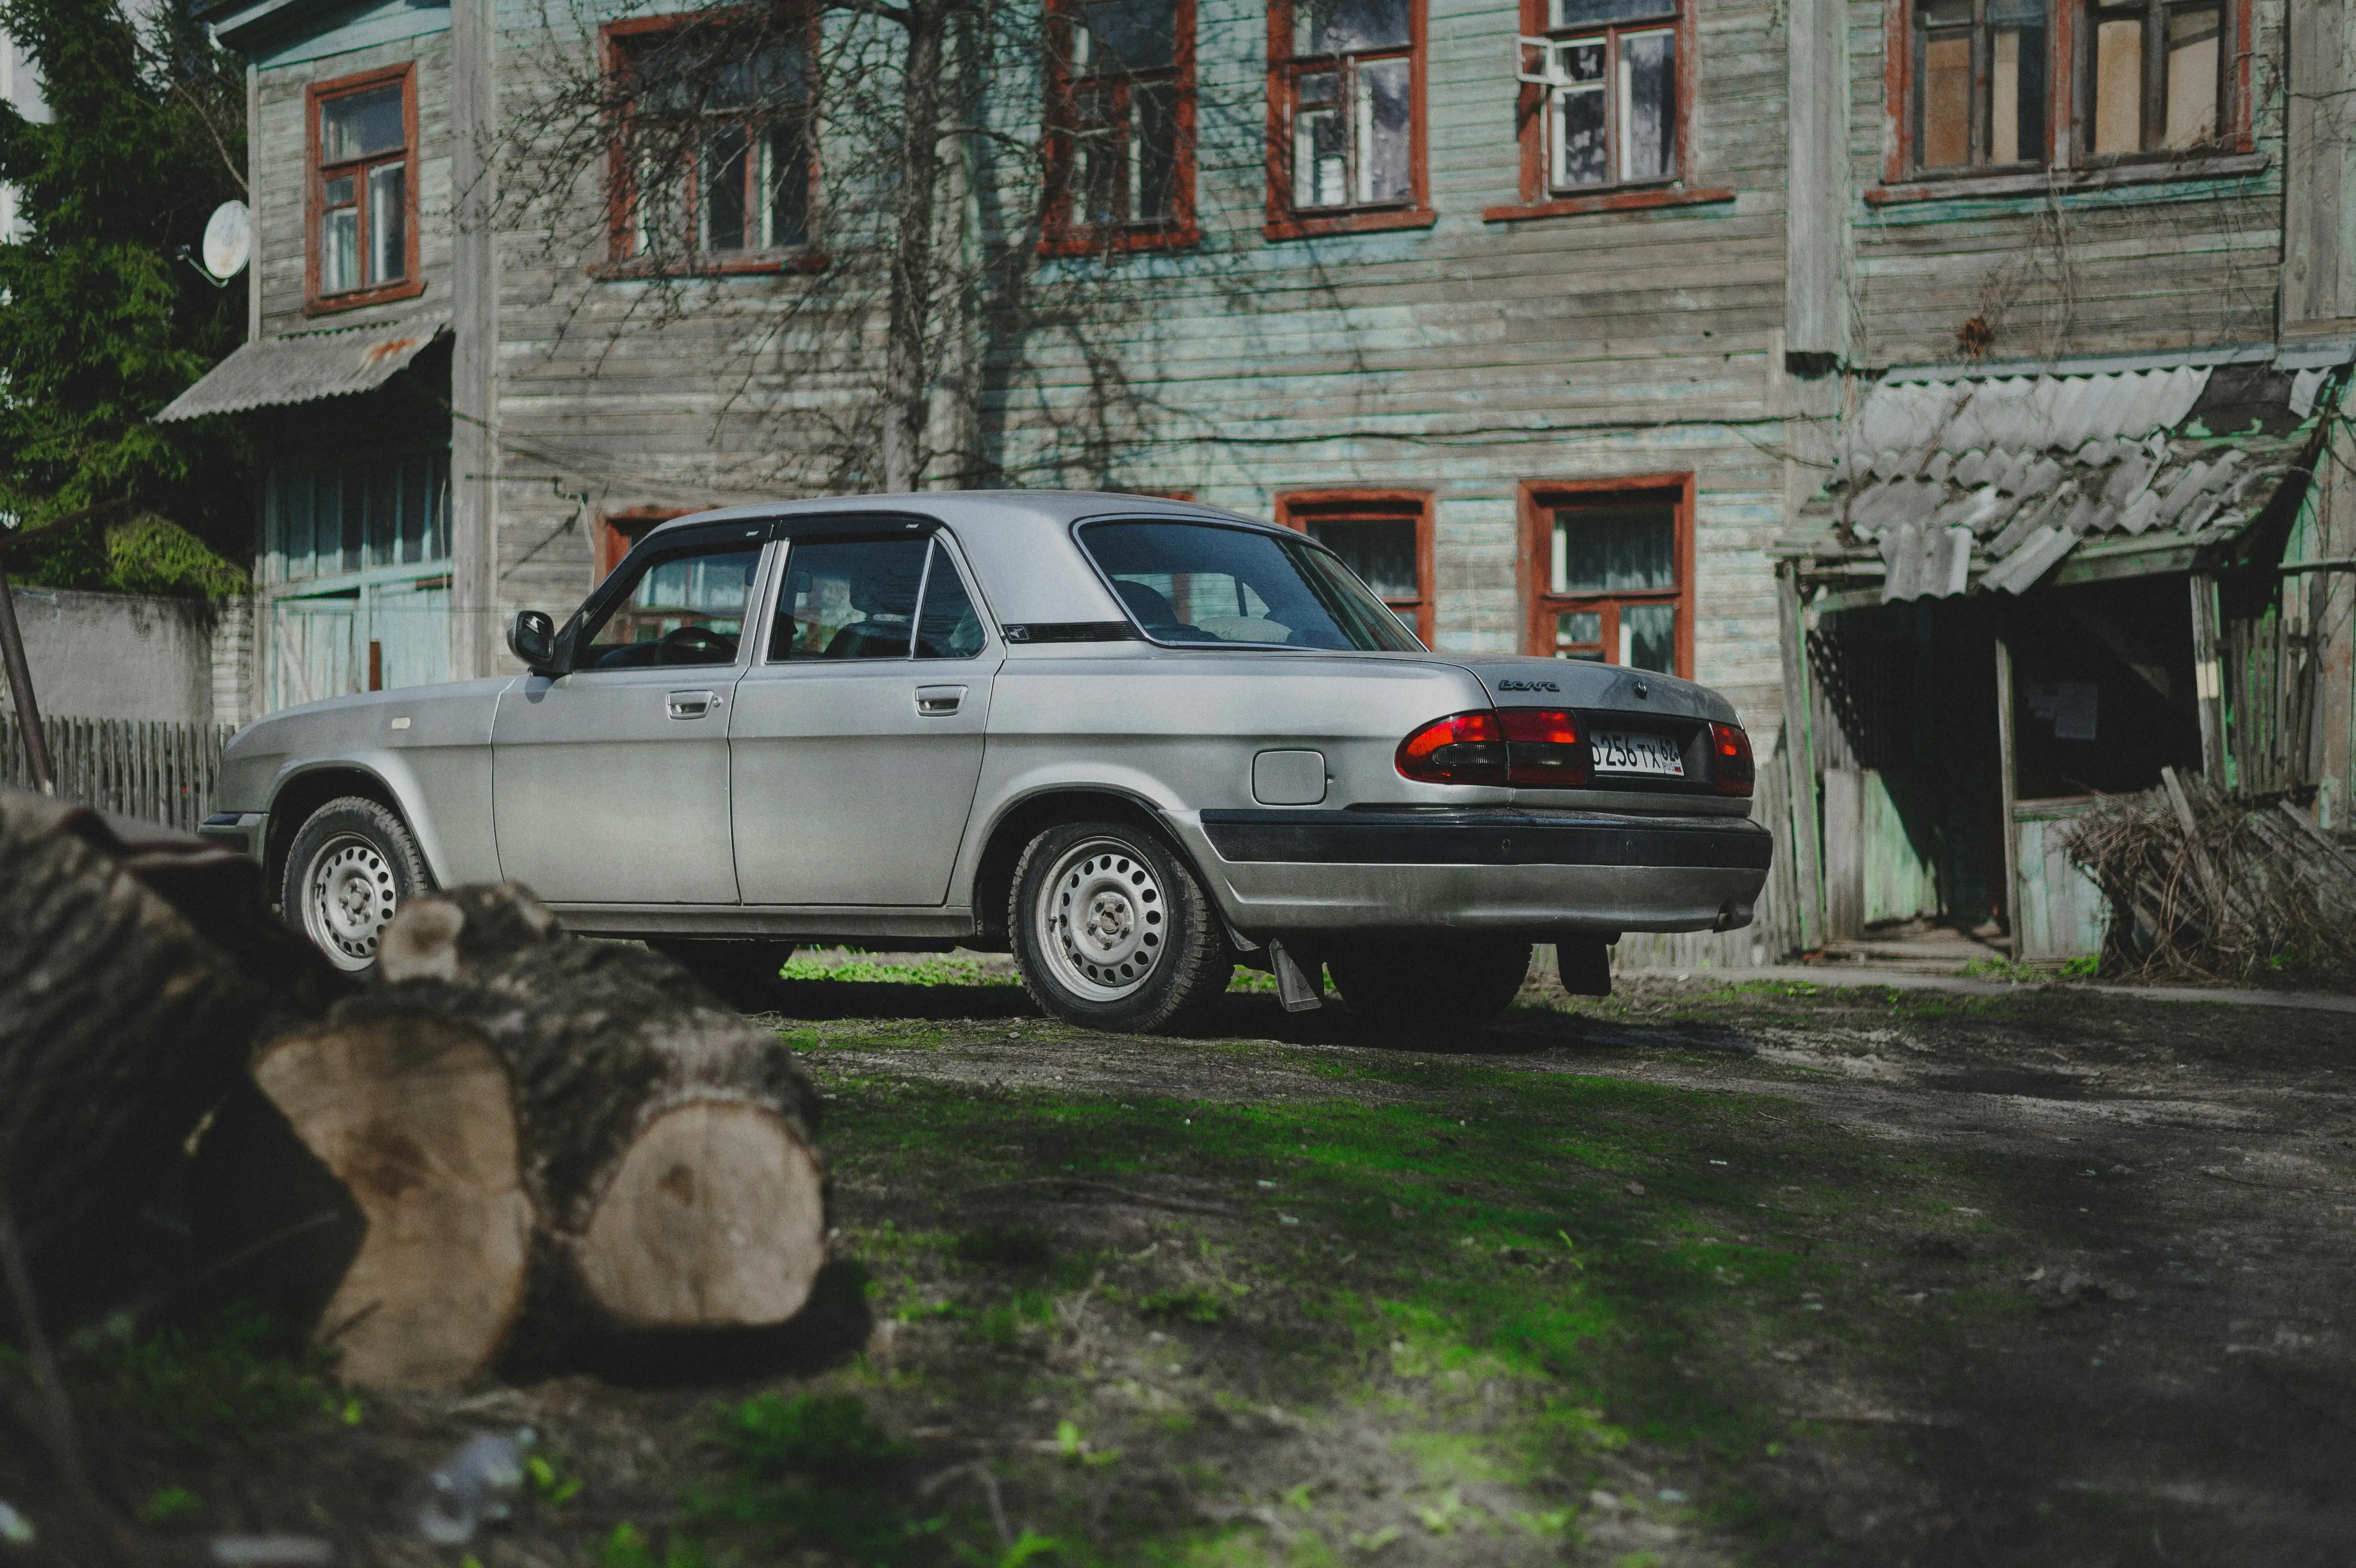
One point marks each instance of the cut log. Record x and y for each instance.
(124, 1021)
(569, 1136)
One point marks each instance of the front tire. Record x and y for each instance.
(352, 863)
(1440, 983)
(1112, 931)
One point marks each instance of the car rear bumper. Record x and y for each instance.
(1501, 869)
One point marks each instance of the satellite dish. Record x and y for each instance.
(229, 239)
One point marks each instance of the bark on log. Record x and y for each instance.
(548, 1135)
(123, 1020)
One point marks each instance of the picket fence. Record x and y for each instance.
(153, 769)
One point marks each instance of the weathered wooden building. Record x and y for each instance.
(1574, 323)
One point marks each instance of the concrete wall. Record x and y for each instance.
(116, 656)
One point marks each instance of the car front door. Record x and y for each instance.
(857, 737)
(609, 785)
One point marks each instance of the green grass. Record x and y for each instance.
(947, 970)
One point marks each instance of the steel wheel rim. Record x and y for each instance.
(349, 893)
(1102, 921)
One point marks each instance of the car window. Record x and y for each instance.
(1200, 582)
(950, 628)
(686, 609)
(848, 599)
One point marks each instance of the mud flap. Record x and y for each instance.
(1294, 989)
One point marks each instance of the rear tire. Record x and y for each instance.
(1440, 984)
(352, 863)
(1112, 931)
(742, 973)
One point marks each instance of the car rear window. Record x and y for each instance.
(1202, 582)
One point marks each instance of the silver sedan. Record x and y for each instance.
(1134, 742)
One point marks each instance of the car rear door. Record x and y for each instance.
(609, 785)
(856, 738)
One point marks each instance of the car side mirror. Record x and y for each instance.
(531, 637)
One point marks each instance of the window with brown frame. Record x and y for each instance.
(619, 532)
(1345, 116)
(1610, 570)
(1996, 85)
(1120, 101)
(1611, 109)
(1383, 536)
(363, 227)
(713, 162)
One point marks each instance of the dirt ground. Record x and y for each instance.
(1698, 1274)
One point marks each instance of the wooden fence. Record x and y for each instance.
(148, 768)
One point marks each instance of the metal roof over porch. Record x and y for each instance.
(304, 366)
(1961, 482)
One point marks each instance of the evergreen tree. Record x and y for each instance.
(102, 320)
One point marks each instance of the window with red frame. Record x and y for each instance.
(713, 160)
(1613, 106)
(1346, 107)
(1381, 535)
(1612, 569)
(1986, 83)
(619, 532)
(363, 135)
(1121, 107)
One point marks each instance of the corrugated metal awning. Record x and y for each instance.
(1990, 482)
(304, 366)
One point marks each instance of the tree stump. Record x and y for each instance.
(548, 1136)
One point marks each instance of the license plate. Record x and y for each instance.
(1624, 753)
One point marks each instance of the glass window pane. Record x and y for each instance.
(1380, 551)
(723, 176)
(1153, 131)
(360, 124)
(354, 486)
(388, 223)
(685, 610)
(949, 628)
(1321, 164)
(1946, 129)
(1579, 635)
(1578, 153)
(1564, 14)
(1385, 138)
(1648, 105)
(340, 249)
(1130, 35)
(2118, 85)
(1614, 549)
(2192, 41)
(376, 483)
(786, 188)
(2016, 97)
(851, 599)
(1338, 26)
(1648, 638)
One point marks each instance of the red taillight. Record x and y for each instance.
(1732, 771)
(1543, 749)
(1463, 749)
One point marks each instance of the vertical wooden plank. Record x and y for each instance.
(1799, 767)
(2208, 678)
(474, 367)
(1817, 204)
(1844, 854)
(2007, 786)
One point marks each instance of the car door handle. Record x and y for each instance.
(691, 704)
(939, 701)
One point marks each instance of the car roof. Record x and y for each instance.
(1018, 540)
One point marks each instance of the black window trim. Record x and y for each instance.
(872, 526)
(658, 545)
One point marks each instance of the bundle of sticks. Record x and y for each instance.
(2203, 886)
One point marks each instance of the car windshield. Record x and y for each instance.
(1202, 582)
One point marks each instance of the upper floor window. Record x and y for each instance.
(363, 228)
(1610, 569)
(1612, 108)
(714, 163)
(1992, 84)
(1121, 123)
(2158, 76)
(1345, 108)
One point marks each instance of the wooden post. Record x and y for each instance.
(2208, 679)
(2006, 790)
(1799, 762)
(20, 692)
